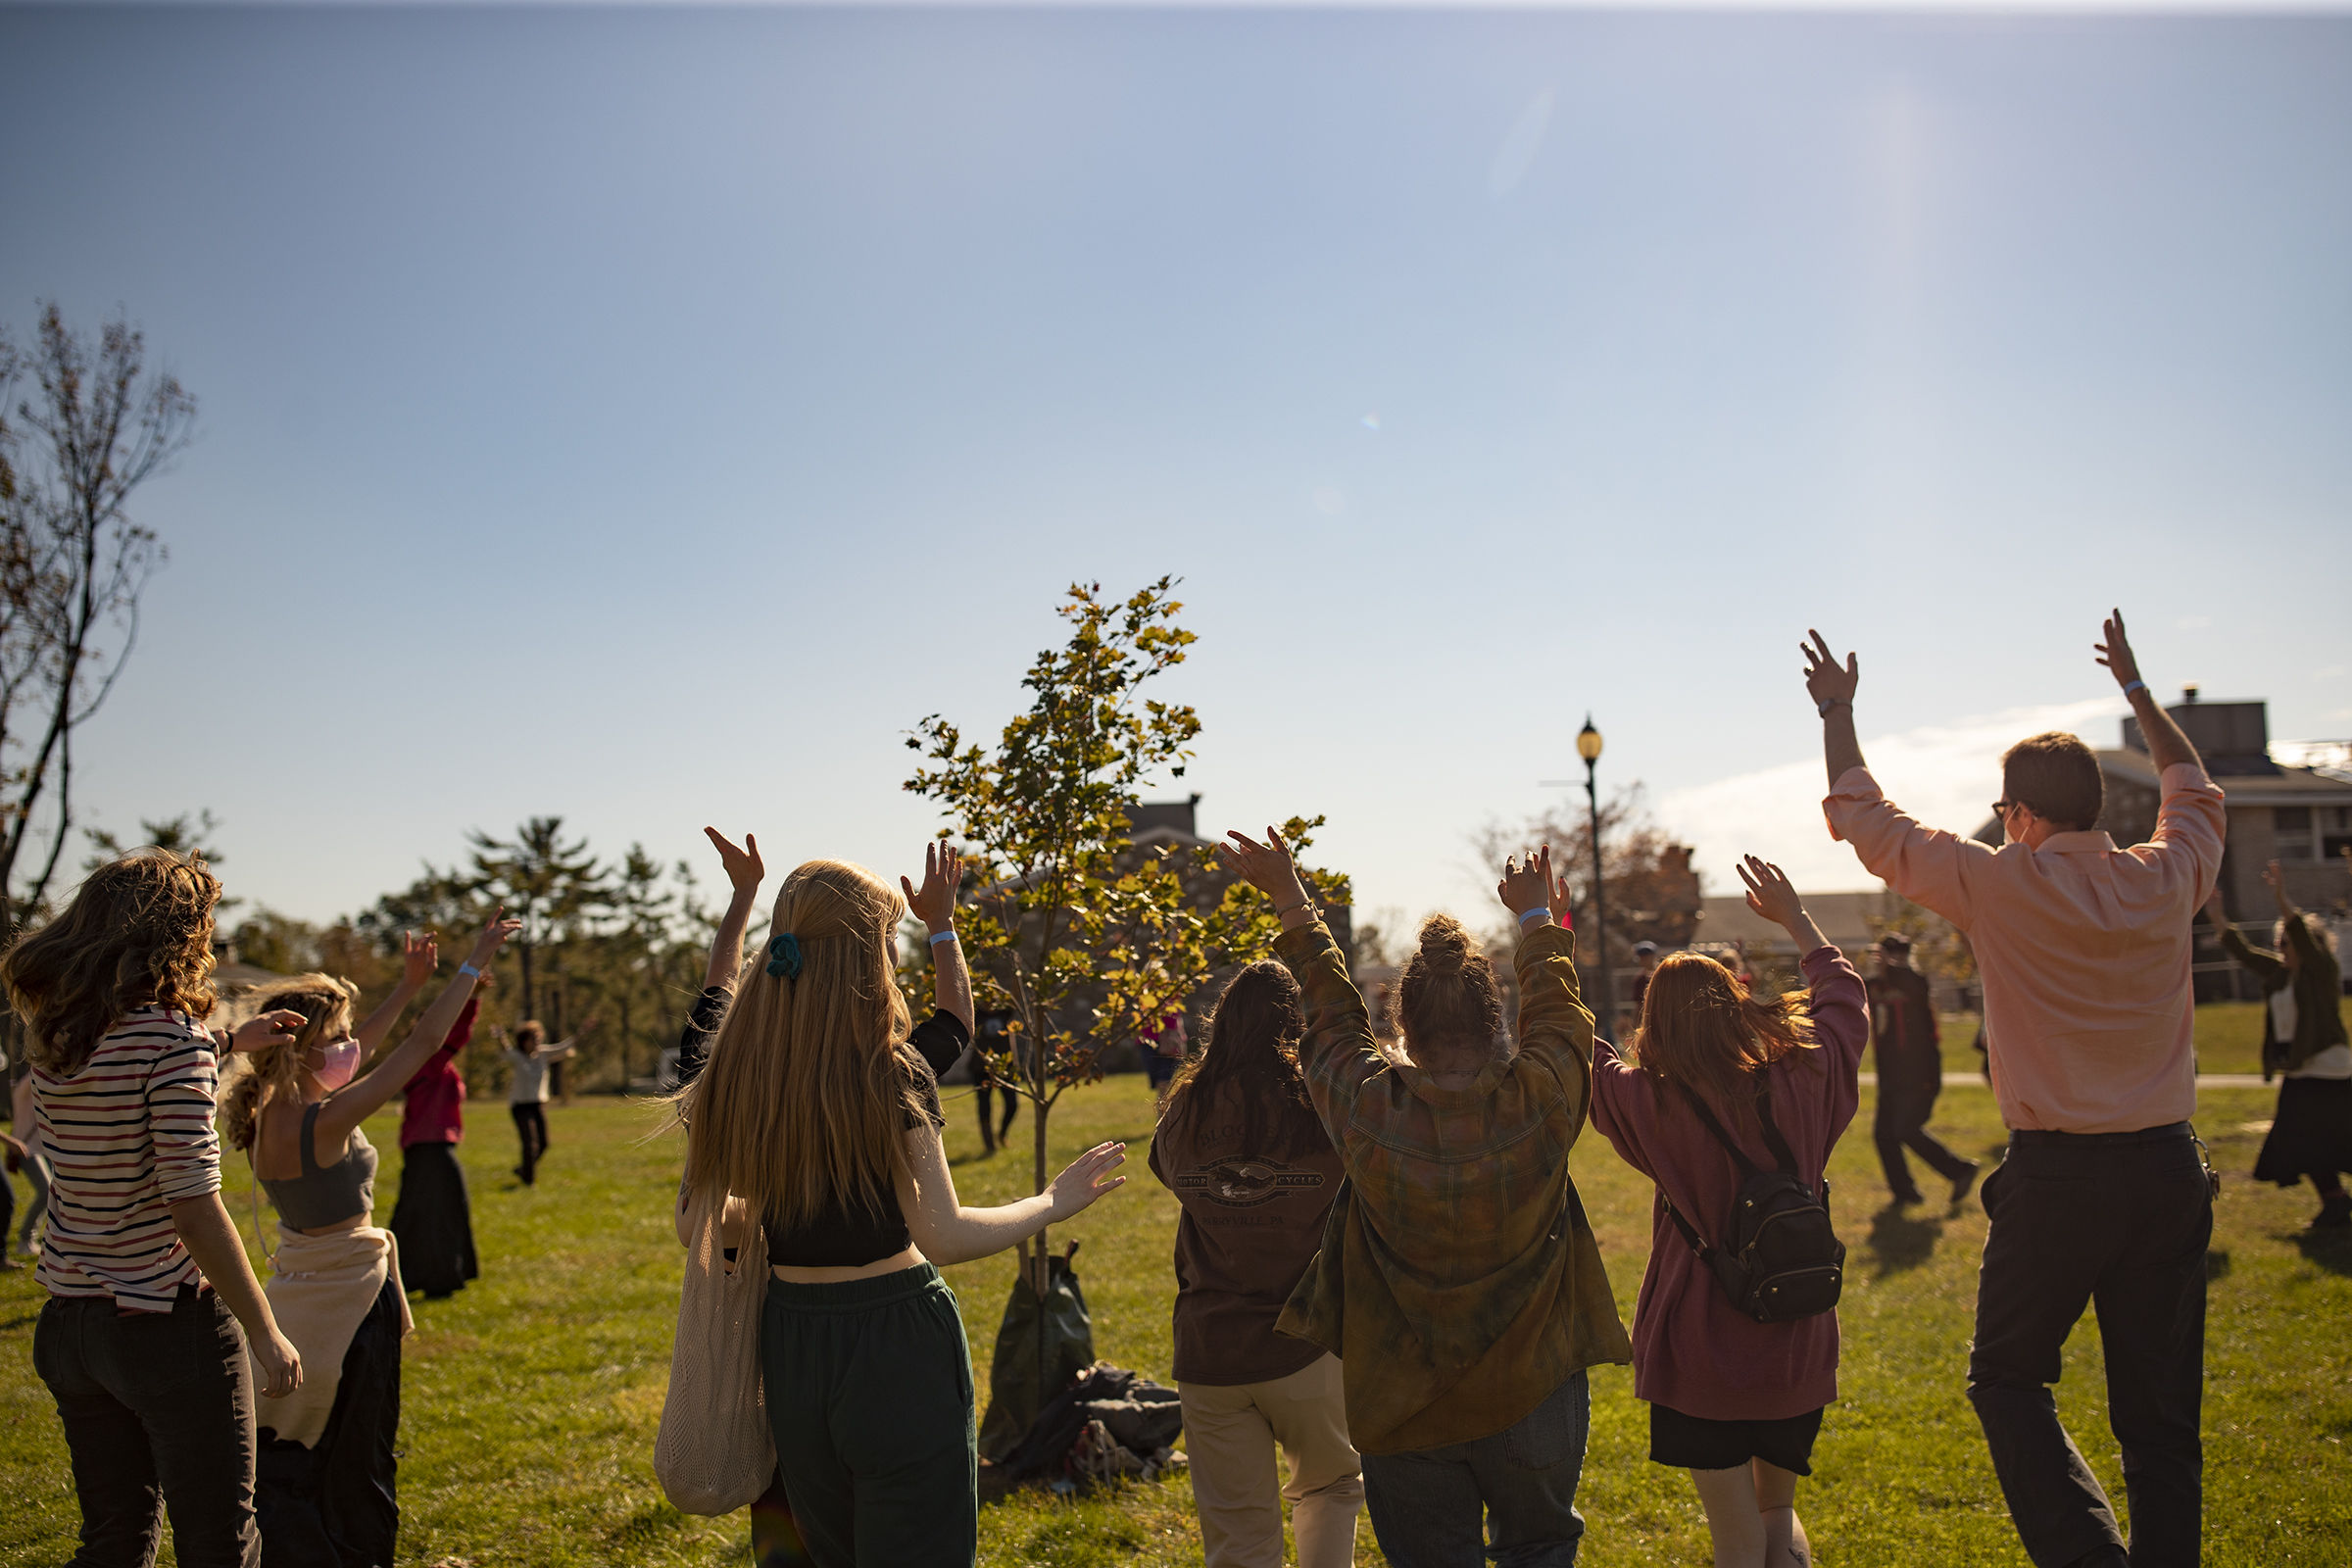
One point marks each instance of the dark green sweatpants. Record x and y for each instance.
(869, 1389)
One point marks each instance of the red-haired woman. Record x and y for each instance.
(1735, 1401)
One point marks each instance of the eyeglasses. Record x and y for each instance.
(2000, 810)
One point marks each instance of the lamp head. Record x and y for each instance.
(1587, 741)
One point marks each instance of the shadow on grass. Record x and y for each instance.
(2329, 1250)
(1899, 1242)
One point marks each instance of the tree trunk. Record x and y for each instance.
(1037, 1113)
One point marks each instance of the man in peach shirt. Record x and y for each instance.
(2103, 1199)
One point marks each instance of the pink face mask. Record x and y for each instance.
(342, 1060)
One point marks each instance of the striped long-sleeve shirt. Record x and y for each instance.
(128, 1136)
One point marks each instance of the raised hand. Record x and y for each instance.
(743, 866)
(1525, 885)
(934, 902)
(1085, 1179)
(420, 957)
(1825, 682)
(1268, 868)
(1563, 902)
(493, 937)
(2272, 877)
(275, 1028)
(1769, 891)
(2116, 652)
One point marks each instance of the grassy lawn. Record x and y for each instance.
(532, 1396)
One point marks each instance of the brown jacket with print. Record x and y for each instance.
(1460, 1282)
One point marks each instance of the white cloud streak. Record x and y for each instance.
(1946, 775)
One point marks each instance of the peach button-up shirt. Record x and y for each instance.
(2082, 947)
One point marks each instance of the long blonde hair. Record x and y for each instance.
(274, 1071)
(807, 1096)
(137, 933)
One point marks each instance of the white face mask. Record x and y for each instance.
(342, 1060)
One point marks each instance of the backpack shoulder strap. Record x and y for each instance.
(1772, 1131)
(1748, 1168)
(1697, 1243)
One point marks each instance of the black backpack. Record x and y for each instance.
(1779, 1259)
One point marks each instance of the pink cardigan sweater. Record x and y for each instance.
(1694, 1350)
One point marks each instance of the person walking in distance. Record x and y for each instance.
(1910, 1063)
(1735, 1401)
(2103, 1199)
(2303, 1040)
(148, 1285)
(992, 1043)
(1241, 1147)
(1459, 1283)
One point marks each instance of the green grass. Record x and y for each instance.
(531, 1398)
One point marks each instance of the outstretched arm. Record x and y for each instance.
(934, 904)
(1771, 895)
(419, 956)
(2276, 879)
(2167, 746)
(745, 871)
(950, 1233)
(1831, 688)
(346, 1107)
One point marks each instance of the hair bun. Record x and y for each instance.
(1444, 944)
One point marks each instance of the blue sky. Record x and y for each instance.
(647, 416)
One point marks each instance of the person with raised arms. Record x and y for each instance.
(2104, 1199)
(2303, 1041)
(815, 1126)
(1718, 1085)
(328, 1486)
(1240, 1145)
(1459, 1283)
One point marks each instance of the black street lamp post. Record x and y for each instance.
(1588, 746)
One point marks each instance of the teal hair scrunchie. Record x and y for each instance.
(784, 957)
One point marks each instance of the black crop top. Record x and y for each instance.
(846, 1234)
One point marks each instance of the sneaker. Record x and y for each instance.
(1964, 1183)
(1909, 1199)
(2335, 1213)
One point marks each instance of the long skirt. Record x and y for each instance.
(433, 1221)
(337, 1505)
(2311, 1133)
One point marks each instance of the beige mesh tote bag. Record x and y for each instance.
(714, 1453)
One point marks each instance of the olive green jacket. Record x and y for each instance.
(1460, 1282)
(2319, 983)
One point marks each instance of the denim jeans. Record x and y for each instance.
(158, 1409)
(1427, 1505)
(2118, 1222)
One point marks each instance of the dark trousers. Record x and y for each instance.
(1906, 1100)
(1509, 1498)
(2118, 1221)
(869, 1395)
(336, 1505)
(530, 1127)
(991, 1137)
(158, 1411)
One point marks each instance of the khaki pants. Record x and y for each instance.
(1230, 1433)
